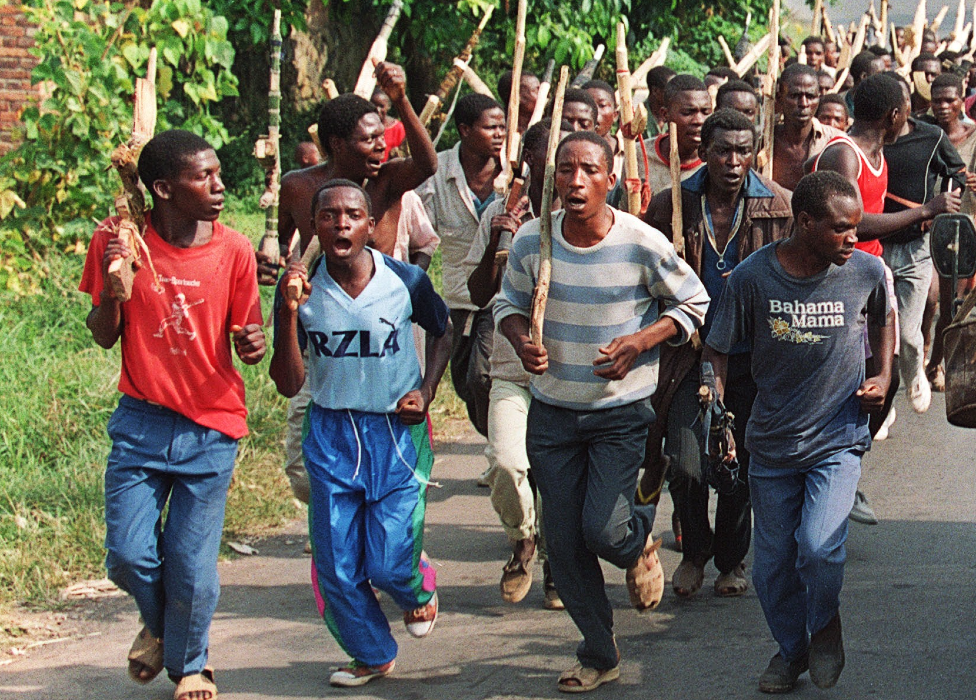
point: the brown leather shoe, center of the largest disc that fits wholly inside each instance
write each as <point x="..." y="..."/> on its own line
<point x="645" y="578"/>
<point x="517" y="573"/>
<point x="827" y="654"/>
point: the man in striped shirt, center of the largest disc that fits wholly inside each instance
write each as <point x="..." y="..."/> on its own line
<point x="591" y="388"/>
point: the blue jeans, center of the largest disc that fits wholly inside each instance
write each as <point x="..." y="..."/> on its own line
<point x="586" y="464"/>
<point x="170" y="570"/>
<point x="800" y="527"/>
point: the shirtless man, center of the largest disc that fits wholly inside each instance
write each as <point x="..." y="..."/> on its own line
<point x="801" y="135"/>
<point x="352" y="135"/>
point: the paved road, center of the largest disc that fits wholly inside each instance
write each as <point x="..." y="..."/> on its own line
<point x="909" y="608"/>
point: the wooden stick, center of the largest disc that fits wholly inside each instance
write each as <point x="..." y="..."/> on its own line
<point x="268" y="148"/>
<point x="769" y="90"/>
<point x="131" y="204"/>
<point x="367" y="78"/>
<point x="882" y="32"/>
<point x="540" y="296"/>
<point x="543" y="96"/>
<point x="749" y="60"/>
<point x="815" y="28"/>
<point x="476" y="83"/>
<point x="828" y="26"/>
<point x="435" y="101"/>
<point x="855" y="49"/>
<point x="586" y="73"/>
<point x="674" y="160"/>
<point x="727" y="51"/>
<point x="512" y="135"/>
<point x="937" y="22"/>
<point x="631" y="175"/>
<point x="638" y="79"/>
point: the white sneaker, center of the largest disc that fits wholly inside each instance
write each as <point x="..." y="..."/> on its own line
<point x="920" y="393"/>
<point x="882" y="433"/>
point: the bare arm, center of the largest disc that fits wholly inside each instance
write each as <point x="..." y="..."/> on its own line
<point x="287" y="369"/>
<point x="413" y="406"/>
<point x="534" y="358"/>
<point x="622" y="353"/>
<point x="486" y="278"/>
<point x="720" y="363"/>
<point x="842" y="159"/>
<point x="873" y="390"/>
<point x="105" y="320"/>
<point x="405" y="174"/>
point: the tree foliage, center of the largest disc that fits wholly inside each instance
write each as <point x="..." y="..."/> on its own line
<point x="89" y="55"/>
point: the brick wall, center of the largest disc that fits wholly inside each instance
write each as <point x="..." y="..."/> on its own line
<point x="16" y="37"/>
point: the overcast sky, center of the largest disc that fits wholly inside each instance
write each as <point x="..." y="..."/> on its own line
<point x="899" y="11"/>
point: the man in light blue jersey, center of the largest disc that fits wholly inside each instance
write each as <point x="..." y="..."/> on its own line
<point x="591" y="388"/>
<point x="367" y="449"/>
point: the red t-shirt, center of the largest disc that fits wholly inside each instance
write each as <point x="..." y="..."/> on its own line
<point x="176" y="343"/>
<point x="873" y="184"/>
<point x="393" y="136"/>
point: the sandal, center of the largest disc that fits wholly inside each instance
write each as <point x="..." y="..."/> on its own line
<point x="580" y="679"/>
<point x="645" y="578"/>
<point x="145" y="657"/>
<point x="733" y="584"/>
<point x="688" y="578"/>
<point x="199" y="686"/>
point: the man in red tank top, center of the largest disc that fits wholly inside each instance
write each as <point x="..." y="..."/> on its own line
<point x="881" y="107"/>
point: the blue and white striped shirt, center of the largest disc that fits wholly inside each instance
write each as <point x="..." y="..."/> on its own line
<point x="597" y="294"/>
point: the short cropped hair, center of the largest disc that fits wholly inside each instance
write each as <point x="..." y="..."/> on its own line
<point x="167" y="153"/>
<point x="949" y="80"/>
<point x="505" y="84"/>
<point x="923" y="58"/>
<point x="833" y="99"/>
<point x="582" y="96"/>
<point x="723" y="72"/>
<point x="682" y="83"/>
<point x="336" y="183"/>
<point x="589" y="137"/>
<point x="811" y="40"/>
<point x="796" y="69"/>
<point x="601" y="85"/>
<point x="727" y="120"/>
<point x="814" y="191"/>
<point x="876" y="96"/>
<point x="659" y="77"/>
<point x="340" y="117"/>
<point x="862" y="63"/>
<point x="470" y="108"/>
<point x="734" y="86"/>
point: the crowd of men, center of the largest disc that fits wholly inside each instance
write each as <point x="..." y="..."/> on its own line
<point x="813" y="288"/>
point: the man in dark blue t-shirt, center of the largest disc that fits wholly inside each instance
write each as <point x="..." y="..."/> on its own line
<point x="803" y="304"/>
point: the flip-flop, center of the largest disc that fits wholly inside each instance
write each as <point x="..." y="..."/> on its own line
<point x="580" y="679"/>
<point x="145" y="656"/>
<point x="202" y="682"/>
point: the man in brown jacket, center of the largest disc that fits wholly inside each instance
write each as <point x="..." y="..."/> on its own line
<point x="728" y="212"/>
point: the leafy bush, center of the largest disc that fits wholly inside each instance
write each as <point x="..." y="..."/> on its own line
<point x="90" y="52"/>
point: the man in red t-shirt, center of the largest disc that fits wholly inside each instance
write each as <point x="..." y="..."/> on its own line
<point x="175" y="431"/>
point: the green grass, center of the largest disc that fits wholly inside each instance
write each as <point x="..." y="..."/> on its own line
<point x="59" y="390"/>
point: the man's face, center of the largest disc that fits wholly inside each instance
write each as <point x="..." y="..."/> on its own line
<point x="833" y="114"/>
<point x="825" y="83"/>
<point x="688" y="110"/>
<point x="382" y="102"/>
<point x="744" y="102"/>
<point x="815" y="55"/>
<point x="364" y="148"/>
<point x="832" y="238"/>
<point x="583" y="178"/>
<point x="799" y="98"/>
<point x="580" y="115"/>
<point x="197" y="191"/>
<point x="900" y="37"/>
<point x="728" y="159"/>
<point x="528" y="94"/>
<point x="932" y="70"/>
<point x="899" y="116"/>
<point x="831" y="54"/>
<point x="947" y="105"/>
<point x="487" y="135"/>
<point x="929" y="46"/>
<point x="606" y="110"/>
<point x="342" y="224"/>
